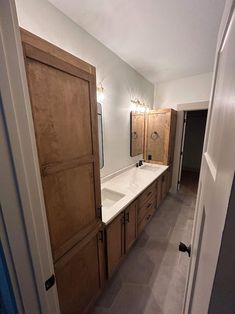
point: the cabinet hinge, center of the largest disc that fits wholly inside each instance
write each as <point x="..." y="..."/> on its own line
<point x="99" y="212"/>
<point x="50" y="282"/>
<point x="101" y="235"/>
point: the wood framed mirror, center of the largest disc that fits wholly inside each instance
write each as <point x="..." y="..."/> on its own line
<point x="136" y="133"/>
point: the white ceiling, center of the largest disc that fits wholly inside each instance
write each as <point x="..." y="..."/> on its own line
<point x="161" y="39"/>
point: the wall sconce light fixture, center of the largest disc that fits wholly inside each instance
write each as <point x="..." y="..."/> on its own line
<point x="138" y="106"/>
<point x="100" y="93"/>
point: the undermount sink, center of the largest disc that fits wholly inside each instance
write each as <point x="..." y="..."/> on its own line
<point x="110" y="197"/>
<point x="149" y="168"/>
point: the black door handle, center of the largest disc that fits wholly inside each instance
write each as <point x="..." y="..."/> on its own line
<point x="185" y="248"/>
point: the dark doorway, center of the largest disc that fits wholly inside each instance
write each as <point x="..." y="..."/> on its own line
<point x="195" y="124"/>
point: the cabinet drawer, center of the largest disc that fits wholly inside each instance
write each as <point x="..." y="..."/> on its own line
<point x="148" y="194"/>
<point x="145" y="220"/>
<point x="147" y="207"/>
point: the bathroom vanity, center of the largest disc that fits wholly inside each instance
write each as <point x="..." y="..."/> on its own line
<point x="129" y="201"/>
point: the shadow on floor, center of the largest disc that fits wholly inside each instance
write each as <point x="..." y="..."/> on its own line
<point x="152" y="277"/>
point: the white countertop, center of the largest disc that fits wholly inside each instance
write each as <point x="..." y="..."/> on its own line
<point x="131" y="183"/>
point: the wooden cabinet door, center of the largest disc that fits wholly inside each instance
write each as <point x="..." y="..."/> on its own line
<point x="156" y="136"/>
<point x="164" y="185"/>
<point x="171" y="148"/>
<point x="159" y="191"/>
<point x="115" y="243"/>
<point x="78" y="275"/>
<point x="160" y="130"/>
<point x="63" y="99"/>
<point x="130" y="226"/>
<point x="169" y="177"/>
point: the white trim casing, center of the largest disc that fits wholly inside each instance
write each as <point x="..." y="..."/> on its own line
<point x="20" y="132"/>
<point x="206" y="163"/>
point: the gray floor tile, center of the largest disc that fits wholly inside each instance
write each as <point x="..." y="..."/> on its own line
<point x="152" y="277"/>
<point x="132" y="299"/>
<point x="110" y="292"/>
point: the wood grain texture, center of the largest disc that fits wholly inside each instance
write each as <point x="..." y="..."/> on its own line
<point x="159" y="191"/>
<point x="160" y="128"/>
<point x="130" y="225"/>
<point x="62" y="91"/>
<point x="63" y="100"/>
<point x="137" y="133"/>
<point x="77" y="276"/>
<point x="41" y="44"/>
<point x="115" y="243"/>
<point x="169" y="177"/>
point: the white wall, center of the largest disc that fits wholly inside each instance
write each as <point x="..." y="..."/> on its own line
<point x="186" y="90"/>
<point x="189" y="93"/>
<point x="120" y="81"/>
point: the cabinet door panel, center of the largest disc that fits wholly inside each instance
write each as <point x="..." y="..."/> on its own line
<point x="130" y="226"/>
<point x="164" y="185"/>
<point x="159" y="191"/>
<point x="70" y="203"/>
<point x="115" y="243"/>
<point x="169" y="177"/>
<point x="63" y="101"/>
<point x="77" y="277"/>
<point x="172" y="137"/>
<point x="156" y="136"/>
<point x="62" y="119"/>
<point x="160" y="136"/>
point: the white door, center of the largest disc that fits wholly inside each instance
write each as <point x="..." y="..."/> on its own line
<point x="182" y="151"/>
<point x="217" y="172"/>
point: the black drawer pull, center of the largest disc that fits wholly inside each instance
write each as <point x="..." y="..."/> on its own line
<point x="149" y="193"/>
<point x="148" y="217"/>
<point x="149" y="205"/>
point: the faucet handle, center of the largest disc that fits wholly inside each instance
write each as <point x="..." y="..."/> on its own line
<point x="141" y="162"/>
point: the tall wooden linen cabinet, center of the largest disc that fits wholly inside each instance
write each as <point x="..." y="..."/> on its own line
<point x="160" y="128"/>
<point x="63" y="99"/>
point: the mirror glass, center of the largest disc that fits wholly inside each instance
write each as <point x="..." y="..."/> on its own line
<point x="100" y="135"/>
<point x="136" y="133"/>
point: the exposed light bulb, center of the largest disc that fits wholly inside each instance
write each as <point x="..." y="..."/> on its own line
<point x="100" y="93"/>
<point x="100" y="96"/>
<point x="133" y="107"/>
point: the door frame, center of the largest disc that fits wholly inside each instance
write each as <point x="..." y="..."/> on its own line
<point x="29" y="211"/>
<point x="206" y="163"/>
<point x="181" y="108"/>
<point x="182" y="147"/>
<point x="182" y="150"/>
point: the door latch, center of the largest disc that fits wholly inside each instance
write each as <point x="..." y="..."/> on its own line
<point x="50" y="282"/>
<point x="185" y="248"/>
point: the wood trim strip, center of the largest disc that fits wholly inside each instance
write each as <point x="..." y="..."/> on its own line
<point x="65" y="165"/>
<point x="52" y="61"/>
<point x="80" y="239"/>
<point x="78" y="246"/>
<point x="35" y="41"/>
<point x="95" y="140"/>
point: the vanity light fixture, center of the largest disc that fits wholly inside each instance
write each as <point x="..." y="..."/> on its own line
<point x="138" y="106"/>
<point x="100" y="93"/>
